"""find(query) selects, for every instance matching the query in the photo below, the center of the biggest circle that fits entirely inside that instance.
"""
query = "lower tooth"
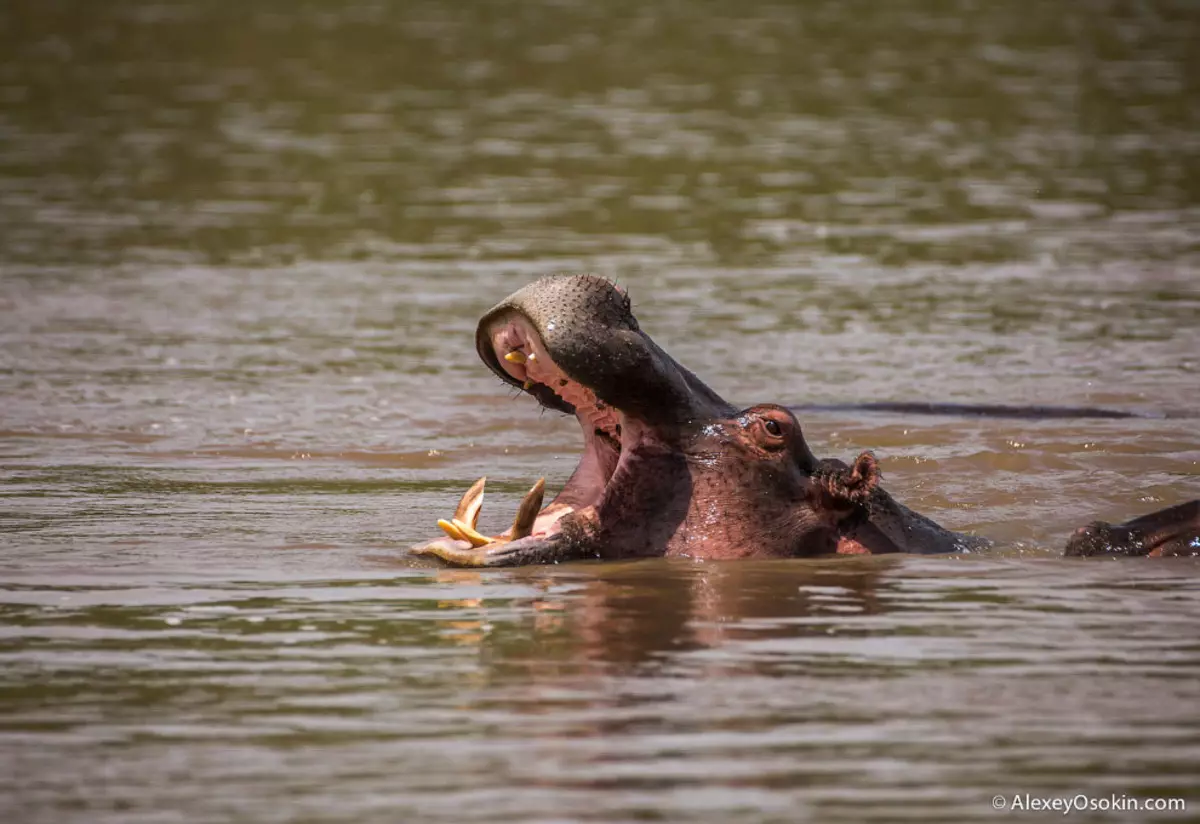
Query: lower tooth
(470, 534)
(460, 529)
(450, 529)
(471, 503)
(527, 512)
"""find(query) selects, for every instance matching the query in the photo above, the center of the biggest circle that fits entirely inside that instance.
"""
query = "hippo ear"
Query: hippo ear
(845, 490)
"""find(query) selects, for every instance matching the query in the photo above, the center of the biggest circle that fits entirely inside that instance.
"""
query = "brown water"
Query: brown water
(242, 250)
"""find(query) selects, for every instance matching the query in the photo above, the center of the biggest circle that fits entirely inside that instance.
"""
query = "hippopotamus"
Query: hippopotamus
(670, 468)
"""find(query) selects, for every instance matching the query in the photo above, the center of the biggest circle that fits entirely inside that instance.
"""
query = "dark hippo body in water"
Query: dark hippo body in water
(670, 468)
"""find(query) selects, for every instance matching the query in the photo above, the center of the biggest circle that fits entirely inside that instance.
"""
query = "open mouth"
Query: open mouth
(573, 344)
(511, 346)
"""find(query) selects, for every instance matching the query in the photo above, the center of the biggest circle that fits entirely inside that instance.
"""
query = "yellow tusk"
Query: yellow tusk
(471, 503)
(515, 356)
(469, 534)
(450, 529)
(527, 512)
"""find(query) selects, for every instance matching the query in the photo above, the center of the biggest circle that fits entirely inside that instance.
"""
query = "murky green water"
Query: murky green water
(242, 250)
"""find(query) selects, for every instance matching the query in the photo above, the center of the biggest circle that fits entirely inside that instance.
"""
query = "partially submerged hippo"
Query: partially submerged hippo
(671, 468)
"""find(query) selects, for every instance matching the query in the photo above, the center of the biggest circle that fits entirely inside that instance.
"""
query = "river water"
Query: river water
(242, 251)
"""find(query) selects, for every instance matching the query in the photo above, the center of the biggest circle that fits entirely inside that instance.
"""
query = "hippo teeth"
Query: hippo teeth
(469, 533)
(519, 357)
(462, 526)
(528, 511)
(471, 503)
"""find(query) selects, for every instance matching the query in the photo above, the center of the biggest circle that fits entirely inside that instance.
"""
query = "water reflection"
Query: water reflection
(637, 615)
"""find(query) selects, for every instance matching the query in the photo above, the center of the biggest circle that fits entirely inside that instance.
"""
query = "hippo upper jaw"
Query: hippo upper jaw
(586, 325)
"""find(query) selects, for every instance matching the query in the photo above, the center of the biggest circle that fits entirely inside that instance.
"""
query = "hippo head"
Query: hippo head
(668, 466)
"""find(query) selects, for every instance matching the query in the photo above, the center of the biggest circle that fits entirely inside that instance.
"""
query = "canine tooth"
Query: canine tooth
(450, 529)
(515, 356)
(527, 512)
(471, 503)
(532, 357)
(469, 534)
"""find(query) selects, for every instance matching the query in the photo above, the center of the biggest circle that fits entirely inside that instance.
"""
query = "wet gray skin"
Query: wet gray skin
(669, 468)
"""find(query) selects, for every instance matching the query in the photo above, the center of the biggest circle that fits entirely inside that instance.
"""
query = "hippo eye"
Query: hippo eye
(773, 428)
